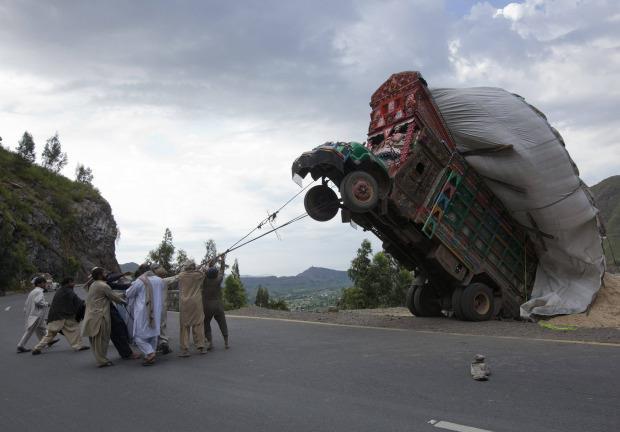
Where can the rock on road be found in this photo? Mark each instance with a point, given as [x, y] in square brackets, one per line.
[292, 376]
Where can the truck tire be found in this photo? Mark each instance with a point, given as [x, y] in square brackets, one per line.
[426, 302]
[409, 300]
[321, 203]
[457, 294]
[477, 302]
[360, 191]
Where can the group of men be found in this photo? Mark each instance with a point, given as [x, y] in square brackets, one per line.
[123, 311]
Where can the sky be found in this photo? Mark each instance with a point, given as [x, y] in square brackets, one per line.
[190, 113]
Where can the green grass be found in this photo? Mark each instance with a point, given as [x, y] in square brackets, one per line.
[25, 189]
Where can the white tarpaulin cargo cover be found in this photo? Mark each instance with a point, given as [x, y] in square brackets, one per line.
[539, 184]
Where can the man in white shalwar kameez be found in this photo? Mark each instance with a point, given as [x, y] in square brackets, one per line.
[145, 298]
[35, 311]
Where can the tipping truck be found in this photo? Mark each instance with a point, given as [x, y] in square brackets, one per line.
[409, 185]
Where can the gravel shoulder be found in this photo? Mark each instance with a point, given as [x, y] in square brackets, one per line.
[400, 318]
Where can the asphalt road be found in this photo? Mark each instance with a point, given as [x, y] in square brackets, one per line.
[291, 376]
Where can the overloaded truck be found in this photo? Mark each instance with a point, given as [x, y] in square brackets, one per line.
[410, 186]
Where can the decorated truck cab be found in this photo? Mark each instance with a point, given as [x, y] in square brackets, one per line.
[410, 186]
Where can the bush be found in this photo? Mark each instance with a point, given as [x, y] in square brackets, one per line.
[277, 304]
[235, 296]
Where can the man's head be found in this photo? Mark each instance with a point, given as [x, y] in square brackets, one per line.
[212, 272]
[189, 265]
[158, 270]
[39, 281]
[97, 273]
[68, 282]
[142, 269]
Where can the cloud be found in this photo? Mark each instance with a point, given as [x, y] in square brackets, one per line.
[191, 115]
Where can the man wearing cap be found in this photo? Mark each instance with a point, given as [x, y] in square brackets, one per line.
[62, 318]
[191, 314]
[97, 321]
[35, 310]
[212, 301]
[145, 296]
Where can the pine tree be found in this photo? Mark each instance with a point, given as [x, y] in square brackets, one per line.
[235, 270]
[262, 297]
[210, 252]
[235, 296]
[83, 174]
[52, 157]
[25, 148]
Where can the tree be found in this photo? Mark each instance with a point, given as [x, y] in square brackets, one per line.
[52, 157]
[0, 142]
[235, 296]
[361, 263]
[83, 174]
[180, 260]
[352, 298]
[262, 297]
[380, 281]
[163, 254]
[235, 270]
[25, 148]
[210, 252]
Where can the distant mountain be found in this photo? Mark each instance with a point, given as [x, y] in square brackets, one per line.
[311, 281]
[607, 196]
[129, 267]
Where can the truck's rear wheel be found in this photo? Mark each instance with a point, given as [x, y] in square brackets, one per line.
[321, 203]
[360, 191]
[426, 302]
[477, 302]
[409, 299]
[457, 294]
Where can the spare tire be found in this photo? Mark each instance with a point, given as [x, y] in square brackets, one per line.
[321, 203]
[360, 191]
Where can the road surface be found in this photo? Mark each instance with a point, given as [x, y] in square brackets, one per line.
[293, 376]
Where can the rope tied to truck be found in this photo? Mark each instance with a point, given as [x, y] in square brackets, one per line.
[271, 217]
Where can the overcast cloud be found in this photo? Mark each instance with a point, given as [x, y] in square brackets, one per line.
[191, 113]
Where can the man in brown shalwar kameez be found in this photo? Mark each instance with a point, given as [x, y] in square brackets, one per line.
[191, 314]
[97, 322]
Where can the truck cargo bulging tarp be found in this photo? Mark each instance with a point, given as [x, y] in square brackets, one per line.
[525, 163]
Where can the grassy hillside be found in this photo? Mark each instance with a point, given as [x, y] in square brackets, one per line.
[43, 221]
[607, 196]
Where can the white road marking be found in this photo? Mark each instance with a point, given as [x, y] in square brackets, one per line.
[8, 308]
[456, 427]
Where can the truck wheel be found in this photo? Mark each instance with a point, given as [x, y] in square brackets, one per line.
[409, 299]
[477, 302]
[426, 302]
[360, 191]
[321, 203]
[457, 294]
